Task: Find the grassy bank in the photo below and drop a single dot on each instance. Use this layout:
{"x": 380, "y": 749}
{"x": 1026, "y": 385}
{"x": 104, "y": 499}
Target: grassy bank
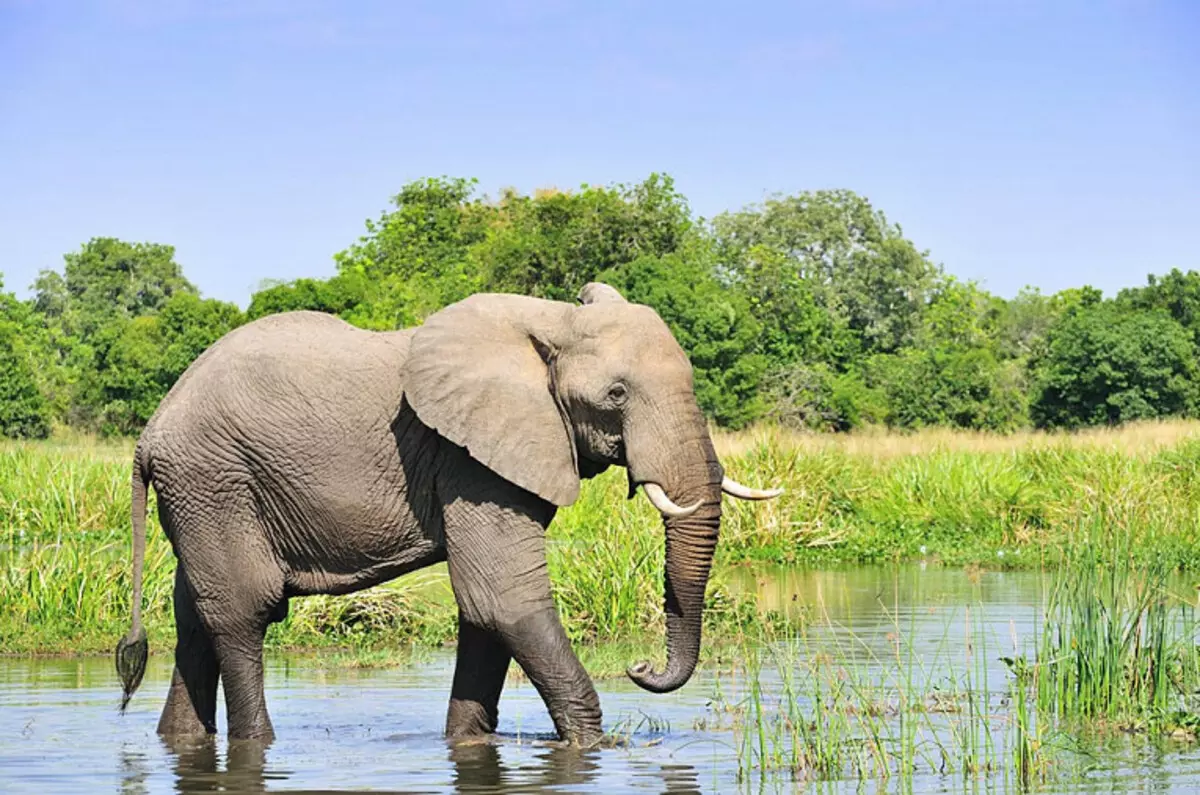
{"x": 938, "y": 496}
{"x": 1015, "y": 501}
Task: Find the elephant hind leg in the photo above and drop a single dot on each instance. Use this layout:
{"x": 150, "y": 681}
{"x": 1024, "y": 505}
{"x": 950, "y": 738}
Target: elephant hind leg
{"x": 191, "y": 708}
{"x": 241, "y": 658}
{"x": 239, "y": 593}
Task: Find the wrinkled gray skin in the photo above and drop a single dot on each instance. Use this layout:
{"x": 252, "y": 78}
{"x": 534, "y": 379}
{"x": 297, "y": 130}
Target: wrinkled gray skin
{"x": 300, "y": 455}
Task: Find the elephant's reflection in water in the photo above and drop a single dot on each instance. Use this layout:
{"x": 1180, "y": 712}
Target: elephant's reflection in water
{"x": 476, "y": 767}
{"x": 196, "y": 762}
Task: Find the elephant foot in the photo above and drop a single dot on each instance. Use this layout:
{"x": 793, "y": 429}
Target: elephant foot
{"x": 587, "y": 740}
{"x": 582, "y": 734}
{"x": 175, "y": 727}
{"x": 259, "y": 733}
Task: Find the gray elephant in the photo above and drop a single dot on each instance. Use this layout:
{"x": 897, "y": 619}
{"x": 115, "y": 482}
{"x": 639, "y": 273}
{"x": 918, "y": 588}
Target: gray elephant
{"x": 301, "y": 455}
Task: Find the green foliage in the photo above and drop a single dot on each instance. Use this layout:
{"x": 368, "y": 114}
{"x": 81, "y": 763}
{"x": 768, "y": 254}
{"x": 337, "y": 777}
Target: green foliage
{"x": 109, "y": 278}
{"x": 150, "y": 352}
{"x": 870, "y": 280}
{"x": 819, "y": 398}
{"x": 810, "y": 310}
{"x": 340, "y": 295}
{"x": 1103, "y": 365}
{"x": 953, "y": 374}
{"x": 957, "y": 387}
{"x": 417, "y": 257}
{"x": 554, "y": 242}
{"x": 24, "y": 411}
{"x": 121, "y": 325}
{"x": 1177, "y": 293}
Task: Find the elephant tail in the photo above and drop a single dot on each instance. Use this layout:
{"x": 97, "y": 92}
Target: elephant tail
{"x": 133, "y": 649}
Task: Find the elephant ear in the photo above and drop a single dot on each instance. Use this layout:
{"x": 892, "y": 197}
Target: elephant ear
{"x": 480, "y": 372}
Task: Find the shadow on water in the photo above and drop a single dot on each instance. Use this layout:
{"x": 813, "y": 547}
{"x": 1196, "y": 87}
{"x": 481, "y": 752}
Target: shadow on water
{"x": 199, "y": 766}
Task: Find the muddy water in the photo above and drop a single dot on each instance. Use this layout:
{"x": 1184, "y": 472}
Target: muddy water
{"x": 380, "y": 730}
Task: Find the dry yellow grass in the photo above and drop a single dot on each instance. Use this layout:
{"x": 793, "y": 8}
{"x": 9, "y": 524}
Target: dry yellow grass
{"x": 1132, "y": 439}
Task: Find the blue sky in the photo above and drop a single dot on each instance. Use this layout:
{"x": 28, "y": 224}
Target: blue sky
{"x": 1020, "y": 142}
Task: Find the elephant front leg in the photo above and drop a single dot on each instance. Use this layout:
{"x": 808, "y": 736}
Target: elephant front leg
{"x": 497, "y": 559}
{"x": 479, "y": 676}
{"x": 540, "y": 646}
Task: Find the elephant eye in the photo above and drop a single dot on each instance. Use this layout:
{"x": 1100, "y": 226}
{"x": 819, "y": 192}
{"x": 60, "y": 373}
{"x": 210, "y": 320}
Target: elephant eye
{"x": 617, "y": 393}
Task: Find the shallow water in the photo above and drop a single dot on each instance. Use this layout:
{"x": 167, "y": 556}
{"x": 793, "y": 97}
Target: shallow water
{"x": 347, "y": 729}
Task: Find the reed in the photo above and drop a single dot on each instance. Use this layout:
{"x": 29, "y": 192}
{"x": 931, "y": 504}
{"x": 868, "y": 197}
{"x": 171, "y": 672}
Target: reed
{"x": 1117, "y": 649}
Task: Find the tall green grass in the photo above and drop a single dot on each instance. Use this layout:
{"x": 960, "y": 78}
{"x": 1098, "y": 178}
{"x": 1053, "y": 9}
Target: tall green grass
{"x": 1118, "y": 647}
{"x": 1011, "y": 501}
{"x": 65, "y": 570}
{"x": 997, "y": 501}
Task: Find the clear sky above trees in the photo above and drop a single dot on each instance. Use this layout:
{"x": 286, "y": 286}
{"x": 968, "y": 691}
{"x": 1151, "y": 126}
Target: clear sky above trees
{"x": 1050, "y": 143}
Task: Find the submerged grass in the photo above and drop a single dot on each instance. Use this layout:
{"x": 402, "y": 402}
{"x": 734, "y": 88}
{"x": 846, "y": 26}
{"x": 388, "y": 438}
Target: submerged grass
{"x": 1118, "y": 649}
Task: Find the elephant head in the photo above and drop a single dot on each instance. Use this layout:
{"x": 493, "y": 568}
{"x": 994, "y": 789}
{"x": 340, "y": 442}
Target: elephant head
{"x": 545, "y": 393}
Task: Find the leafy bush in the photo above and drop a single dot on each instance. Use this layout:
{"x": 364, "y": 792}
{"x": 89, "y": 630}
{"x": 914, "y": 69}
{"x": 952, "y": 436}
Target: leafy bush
{"x": 1103, "y": 365}
{"x": 818, "y": 398}
{"x": 23, "y": 411}
{"x": 964, "y": 388}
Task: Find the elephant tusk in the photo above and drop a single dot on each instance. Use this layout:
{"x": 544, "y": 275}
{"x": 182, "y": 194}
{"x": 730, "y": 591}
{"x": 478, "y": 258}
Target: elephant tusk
{"x": 662, "y": 502}
{"x": 735, "y": 489}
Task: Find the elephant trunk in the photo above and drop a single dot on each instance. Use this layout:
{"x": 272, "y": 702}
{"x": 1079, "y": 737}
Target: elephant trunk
{"x": 691, "y": 541}
{"x": 690, "y": 546}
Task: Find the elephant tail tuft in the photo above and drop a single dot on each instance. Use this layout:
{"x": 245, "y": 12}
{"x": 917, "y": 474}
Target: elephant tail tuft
{"x": 132, "y": 651}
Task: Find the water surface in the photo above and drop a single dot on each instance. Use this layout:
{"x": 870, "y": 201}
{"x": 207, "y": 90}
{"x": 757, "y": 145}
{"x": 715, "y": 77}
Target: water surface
{"x": 380, "y": 729}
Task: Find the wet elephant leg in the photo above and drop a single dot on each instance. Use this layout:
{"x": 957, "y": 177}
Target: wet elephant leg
{"x": 540, "y": 646}
{"x": 495, "y": 543}
{"x": 479, "y": 674}
{"x": 239, "y": 591}
{"x": 241, "y": 657}
{"x": 191, "y": 708}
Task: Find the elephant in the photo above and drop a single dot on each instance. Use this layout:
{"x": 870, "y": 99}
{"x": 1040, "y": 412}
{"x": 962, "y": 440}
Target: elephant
{"x": 301, "y": 455}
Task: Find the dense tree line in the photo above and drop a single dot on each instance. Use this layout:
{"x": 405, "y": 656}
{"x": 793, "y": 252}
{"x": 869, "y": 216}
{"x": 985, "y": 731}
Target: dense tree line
{"x": 810, "y": 310}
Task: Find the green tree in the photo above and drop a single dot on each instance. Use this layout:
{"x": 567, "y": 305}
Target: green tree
{"x": 953, "y": 374}
{"x": 415, "y": 259}
{"x": 109, "y": 278}
{"x": 796, "y": 329}
{"x": 947, "y": 386}
{"x": 1024, "y": 321}
{"x": 128, "y": 385}
{"x": 817, "y": 397}
{"x": 119, "y": 325}
{"x": 148, "y": 354}
{"x": 340, "y": 296}
{"x": 552, "y": 243}
{"x": 24, "y": 412}
{"x": 1102, "y": 364}
{"x": 1177, "y": 293}
{"x": 858, "y": 267}
{"x": 190, "y": 325}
